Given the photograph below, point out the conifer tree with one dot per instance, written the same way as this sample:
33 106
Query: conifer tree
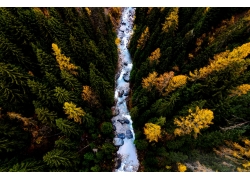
152 132
73 112
71 82
29 165
67 127
89 96
202 118
60 158
154 57
224 60
171 21
62 95
149 82
47 117
143 39
63 61
239 90
42 92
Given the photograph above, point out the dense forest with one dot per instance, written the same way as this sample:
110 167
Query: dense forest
190 82
56 89
189 98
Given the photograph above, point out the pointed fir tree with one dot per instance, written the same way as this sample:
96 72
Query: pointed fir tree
67 127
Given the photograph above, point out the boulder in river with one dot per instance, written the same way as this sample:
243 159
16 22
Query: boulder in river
121 135
120 93
122 121
126 77
129 134
118 142
126 93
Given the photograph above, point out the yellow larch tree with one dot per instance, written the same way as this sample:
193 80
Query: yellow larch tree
73 112
171 20
117 41
63 61
237 153
89 96
224 60
152 132
242 89
174 83
154 57
150 81
143 39
165 83
88 10
181 167
206 10
200 119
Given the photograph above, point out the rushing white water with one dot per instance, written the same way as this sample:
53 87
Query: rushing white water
126 155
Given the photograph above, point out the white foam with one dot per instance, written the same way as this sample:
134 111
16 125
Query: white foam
129 160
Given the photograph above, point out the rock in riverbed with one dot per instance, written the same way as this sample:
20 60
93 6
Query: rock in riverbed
118 142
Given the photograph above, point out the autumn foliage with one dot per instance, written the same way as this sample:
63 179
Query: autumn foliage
73 112
88 10
143 39
224 60
171 20
181 167
195 121
154 57
89 95
149 82
165 83
152 132
63 61
242 89
237 153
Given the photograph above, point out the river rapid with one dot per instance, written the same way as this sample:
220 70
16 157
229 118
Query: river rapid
126 160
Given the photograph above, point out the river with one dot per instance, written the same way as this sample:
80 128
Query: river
126 160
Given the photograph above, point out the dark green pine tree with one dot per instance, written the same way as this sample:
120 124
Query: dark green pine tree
10 53
42 93
102 87
13 87
61 159
67 127
46 117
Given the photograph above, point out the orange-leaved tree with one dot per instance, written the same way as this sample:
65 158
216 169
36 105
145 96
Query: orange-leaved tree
89 96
